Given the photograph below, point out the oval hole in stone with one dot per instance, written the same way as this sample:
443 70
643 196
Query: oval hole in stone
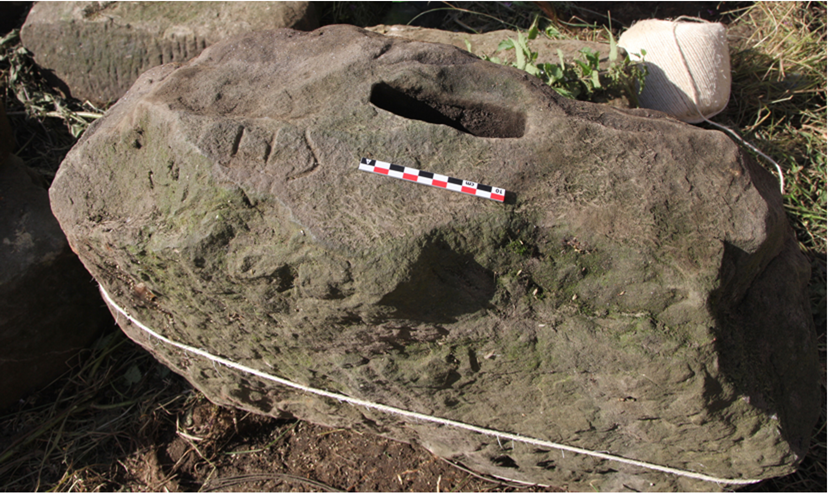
478 119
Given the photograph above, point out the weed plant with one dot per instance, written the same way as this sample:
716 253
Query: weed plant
45 121
582 78
778 97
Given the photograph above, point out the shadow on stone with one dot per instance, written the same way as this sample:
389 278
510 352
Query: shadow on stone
443 284
767 342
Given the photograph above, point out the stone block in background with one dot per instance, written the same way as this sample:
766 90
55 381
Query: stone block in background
49 305
487 43
98 49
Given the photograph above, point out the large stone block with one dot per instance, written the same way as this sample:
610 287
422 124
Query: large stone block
48 305
486 44
640 292
98 49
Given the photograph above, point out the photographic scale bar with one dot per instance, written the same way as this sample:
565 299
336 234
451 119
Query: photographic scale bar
433 179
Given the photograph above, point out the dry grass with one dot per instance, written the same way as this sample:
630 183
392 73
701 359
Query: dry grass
68 435
778 102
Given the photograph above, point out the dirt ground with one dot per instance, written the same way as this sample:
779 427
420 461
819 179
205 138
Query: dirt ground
225 450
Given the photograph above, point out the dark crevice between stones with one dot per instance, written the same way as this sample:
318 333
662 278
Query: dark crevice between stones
478 119
505 461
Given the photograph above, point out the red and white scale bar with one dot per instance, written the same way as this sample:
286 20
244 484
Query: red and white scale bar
433 179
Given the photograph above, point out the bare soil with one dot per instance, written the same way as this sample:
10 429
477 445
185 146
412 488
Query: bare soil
228 450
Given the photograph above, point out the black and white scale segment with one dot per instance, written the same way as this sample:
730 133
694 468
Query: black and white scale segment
433 179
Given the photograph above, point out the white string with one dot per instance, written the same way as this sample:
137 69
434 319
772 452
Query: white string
418 416
722 127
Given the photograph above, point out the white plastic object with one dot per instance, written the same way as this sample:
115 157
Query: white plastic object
688 64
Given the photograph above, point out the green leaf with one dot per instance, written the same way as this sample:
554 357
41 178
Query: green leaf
532 70
613 54
506 44
552 32
591 57
564 92
520 57
561 59
533 30
468 45
596 81
553 71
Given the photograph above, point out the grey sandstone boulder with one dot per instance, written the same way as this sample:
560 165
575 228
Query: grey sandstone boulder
98 49
640 293
48 305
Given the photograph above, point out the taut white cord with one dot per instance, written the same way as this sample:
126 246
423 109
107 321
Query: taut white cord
418 416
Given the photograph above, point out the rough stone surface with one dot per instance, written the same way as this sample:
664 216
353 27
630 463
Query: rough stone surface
640 293
98 49
48 304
